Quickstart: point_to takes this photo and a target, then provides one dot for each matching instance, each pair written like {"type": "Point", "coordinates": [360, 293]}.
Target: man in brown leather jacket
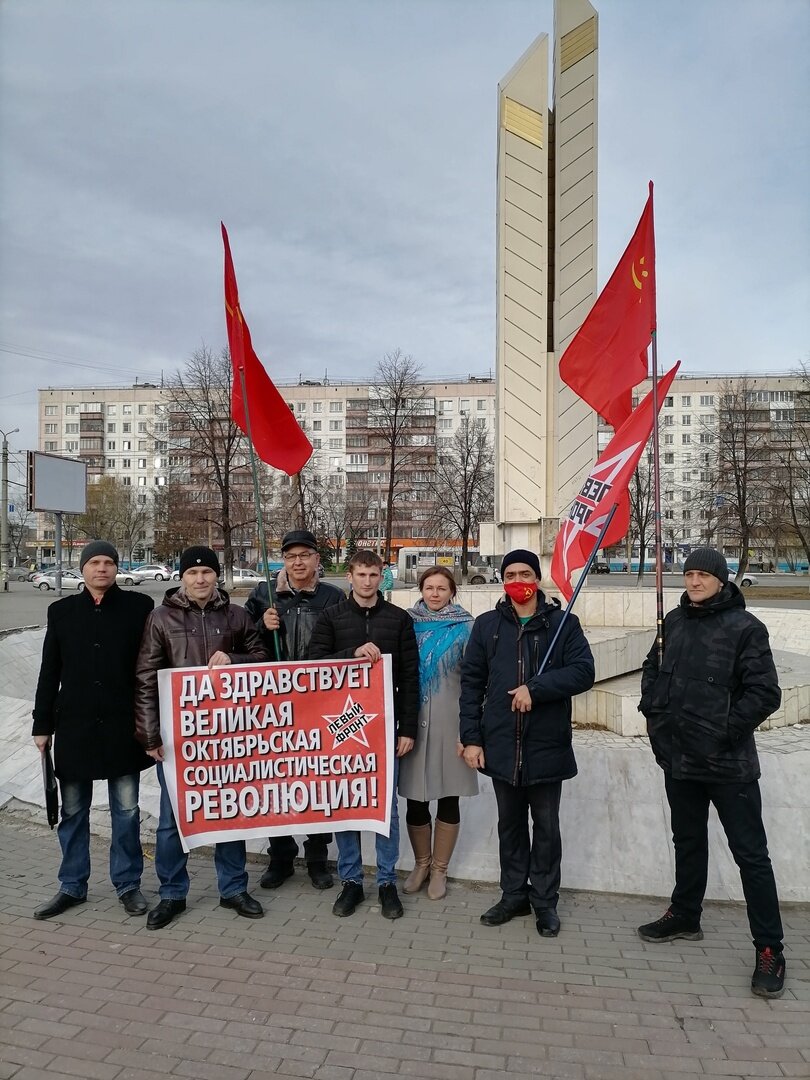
{"type": "Point", "coordinates": [195, 626]}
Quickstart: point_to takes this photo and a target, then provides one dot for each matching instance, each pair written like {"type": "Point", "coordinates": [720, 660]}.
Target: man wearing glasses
{"type": "Point", "coordinates": [300, 598]}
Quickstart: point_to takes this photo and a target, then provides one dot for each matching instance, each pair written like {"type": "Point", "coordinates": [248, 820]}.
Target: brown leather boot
{"type": "Point", "coordinates": [444, 841]}
{"type": "Point", "coordinates": [420, 842]}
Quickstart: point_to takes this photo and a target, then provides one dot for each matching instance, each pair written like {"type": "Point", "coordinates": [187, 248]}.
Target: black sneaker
{"type": "Point", "coordinates": [390, 903]}
{"type": "Point", "coordinates": [768, 979]}
{"type": "Point", "coordinates": [669, 927]}
{"type": "Point", "coordinates": [350, 896]}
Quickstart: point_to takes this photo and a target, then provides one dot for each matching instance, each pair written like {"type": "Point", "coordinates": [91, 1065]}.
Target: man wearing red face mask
{"type": "Point", "coordinates": [516, 728]}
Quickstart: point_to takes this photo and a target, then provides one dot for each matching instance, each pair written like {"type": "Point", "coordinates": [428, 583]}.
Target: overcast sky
{"type": "Point", "coordinates": [349, 146]}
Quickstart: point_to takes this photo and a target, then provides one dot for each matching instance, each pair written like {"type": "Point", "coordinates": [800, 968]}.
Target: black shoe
{"type": "Point", "coordinates": [276, 874]}
{"type": "Point", "coordinates": [669, 927]}
{"type": "Point", "coordinates": [548, 922]}
{"type": "Point", "coordinates": [390, 903]}
{"type": "Point", "coordinates": [503, 912]}
{"type": "Point", "coordinates": [768, 979]}
{"type": "Point", "coordinates": [319, 876]}
{"type": "Point", "coordinates": [243, 904]}
{"type": "Point", "coordinates": [60, 904]}
{"type": "Point", "coordinates": [134, 902]}
{"type": "Point", "coordinates": [163, 914]}
{"type": "Point", "coordinates": [350, 896]}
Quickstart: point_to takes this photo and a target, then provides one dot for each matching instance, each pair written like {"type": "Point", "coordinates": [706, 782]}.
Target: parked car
{"type": "Point", "coordinates": [246, 577]}
{"type": "Point", "coordinates": [154, 572]}
{"type": "Point", "coordinates": [483, 574]}
{"type": "Point", "coordinates": [128, 577]}
{"type": "Point", "coordinates": [747, 580]}
{"type": "Point", "coordinates": [600, 566]}
{"type": "Point", "coordinates": [71, 579]}
{"type": "Point", "coordinates": [18, 573]}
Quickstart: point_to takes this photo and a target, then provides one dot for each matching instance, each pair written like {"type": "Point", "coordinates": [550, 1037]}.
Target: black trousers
{"type": "Point", "coordinates": [529, 868]}
{"type": "Point", "coordinates": [283, 849]}
{"type": "Point", "coordinates": [739, 807]}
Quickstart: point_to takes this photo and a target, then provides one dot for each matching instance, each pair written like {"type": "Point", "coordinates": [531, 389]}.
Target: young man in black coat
{"type": "Point", "coordinates": [716, 685]}
{"type": "Point", "coordinates": [516, 728]}
{"type": "Point", "coordinates": [85, 702]}
{"type": "Point", "coordinates": [367, 626]}
{"type": "Point", "coordinates": [300, 598]}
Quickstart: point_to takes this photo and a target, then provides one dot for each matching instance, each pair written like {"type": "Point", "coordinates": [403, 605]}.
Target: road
{"type": "Point", "coordinates": [23, 605]}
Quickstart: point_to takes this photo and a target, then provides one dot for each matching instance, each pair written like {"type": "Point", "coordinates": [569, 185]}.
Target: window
{"type": "Point", "coordinates": [669, 459]}
{"type": "Point", "coordinates": [141, 462]}
{"type": "Point", "coordinates": [126, 481]}
{"type": "Point", "coordinates": [686, 419]}
{"type": "Point", "coordinates": [481, 405]}
{"type": "Point", "coordinates": [141, 444]}
{"type": "Point", "coordinates": [300, 406]}
{"type": "Point", "coordinates": [686, 515]}
{"type": "Point", "coordinates": [71, 447]}
{"type": "Point", "coordinates": [335, 444]}
{"type": "Point", "coordinates": [707, 399]}
{"type": "Point", "coordinates": [110, 429]}
{"type": "Point", "coordinates": [50, 446]}
{"type": "Point", "coordinates": [336, 406]}
{"type": "Point", "coordinates": [110, 462]}
{"type": "Point", "coordinates": [71, 410]}
{"type": "Point", "coordinates": [50, 410]}
{"type": "Point", "coordinates": [358, 459]}
{"type": "Point", "coordinates": [317, 406]}
{"type": "Point", "coordinates": [126, 428]}
{"type": "Point", "coordinates": [706, 437]}
{"type": "Point", "coordinates": [142, 427]}
{"type": "Point", "coordinates": [668, 401]}
{"type": "Point", "coordinates": [669, 515]}
{"type": "Point", "coordinates": [111, 444]}
{"type": "Point", "coordinates": [686, 476]}
{"type": "Point", "coordinates": [464, 405]}
{"type": "Point", "coordinates": [142, 410]}
{"type": "Point", "coordinates": [444, 425]}
{"type": "Point", "coordinates": [126, 463]}
{"type": "Point", "coordinates": [686, 401]}
{"type": "Point", "coordinates": [71, 429]}
{"type": "Point", "coordinates": [51, 429]}
{"type": "Point", "coordinates": [686, 438]}
{"type": "Point", "coordinates": [445, 406]}
{"type": "Point", "coordinates": [669, 439]}
{"type": "Point", "coordinates": [317, 425]}
{"type": "Point", "coordinates": [126, 410]}
{"type": "Point", "coordinates": [161, 428]}
{"type": "Point", "coordinates": [336, 425]}
{"type": "Point", "coordinates": [669, 420]}
{"type": "Point", "coordinates": [141, 481]}
{"type": "Point", "coordinates": [316, 444]}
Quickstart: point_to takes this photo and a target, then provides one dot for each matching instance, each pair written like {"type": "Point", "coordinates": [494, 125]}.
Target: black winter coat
{"type": "Point", "coordinates": [533, 747]}
{"type": "Point", "coordinates": [342, 629]}
{"type": "Point", "coordinates": [716, 684]}
{"type": "Point", "coordinates": [298, 612]}
{"type": "Point", "coordinates": [85, 694]}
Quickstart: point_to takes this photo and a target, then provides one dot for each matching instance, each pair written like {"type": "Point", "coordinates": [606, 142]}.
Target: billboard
{"type": "Point", "coordinates": [56, 485]}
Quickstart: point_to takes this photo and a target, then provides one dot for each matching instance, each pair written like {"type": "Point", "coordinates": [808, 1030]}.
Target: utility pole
{"type": "Point", "coordinates": [5, 547]}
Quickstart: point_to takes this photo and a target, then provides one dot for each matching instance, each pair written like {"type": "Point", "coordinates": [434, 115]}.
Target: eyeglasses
{"type": "Point", "coordinates": [300, 555]}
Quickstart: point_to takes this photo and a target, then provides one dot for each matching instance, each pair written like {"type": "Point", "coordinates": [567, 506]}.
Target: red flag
{"type": "Point", "coordinates": [607, 484]}
{"type": "Point", "coordinates": [608, 355]}
{"type": "Point", "coordinates": [275, 433]}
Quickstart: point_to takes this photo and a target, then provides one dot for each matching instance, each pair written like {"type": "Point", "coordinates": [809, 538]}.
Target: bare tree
{"type": "Point", "coordinates": [106, 509]}
{"type": "Point", "coordinates": [642, 509]}
{"type": "Point", "coordinates": [20, 521]}
{"type": "Point", "coordinates": [465, 483]}
{"type": "Point", "coordinates": [202, 430]}
{"type": "Point", "coordinates": [396, 399]}
{"type": "Point", "coordinates": [791, 444]}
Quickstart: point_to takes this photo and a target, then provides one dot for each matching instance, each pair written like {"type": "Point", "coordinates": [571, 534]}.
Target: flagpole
{"type": "Point", "coordinates": [257, 502]}
{"type": "Point", "coordinates": [659, 569]}
{"type": "Point", "coordinates": [585, 571]}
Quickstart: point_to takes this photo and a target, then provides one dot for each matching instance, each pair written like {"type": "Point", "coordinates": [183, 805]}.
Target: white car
{"type": "Point", "coordinates": [246, 577]}
{"type": "Point", "coordinates": [71, 579]}
{"type": "Point", "coordinates": [747, 580]}
{"type": "Point", "coordinates": [128, 577]}
{"type": "Point", "coordinates": [154, 572]}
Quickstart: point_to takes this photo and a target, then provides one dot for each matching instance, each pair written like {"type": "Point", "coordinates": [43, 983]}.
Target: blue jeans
{"type": "Point", "coordinates": [73, 830]}
{"type": "Point", "coordinates": [171, 860]}
{"type": "Point", "coordinates": [350, 859]}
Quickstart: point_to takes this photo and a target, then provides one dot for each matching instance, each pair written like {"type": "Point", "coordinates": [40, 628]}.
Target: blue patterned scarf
{"type": "Point", "coordinates": [441, 637]}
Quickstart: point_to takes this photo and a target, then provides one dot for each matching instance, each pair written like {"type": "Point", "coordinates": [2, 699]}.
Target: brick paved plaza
{"type": "Point", "coordinates": [435, 995]}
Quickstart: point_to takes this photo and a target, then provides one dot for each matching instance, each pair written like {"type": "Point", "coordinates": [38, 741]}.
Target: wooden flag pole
{"type": "Point", "coordinates": [271, 591]}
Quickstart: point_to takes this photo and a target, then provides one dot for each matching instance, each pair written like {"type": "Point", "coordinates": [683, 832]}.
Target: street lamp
{"type": "Point", "coordinates": [4, 543]}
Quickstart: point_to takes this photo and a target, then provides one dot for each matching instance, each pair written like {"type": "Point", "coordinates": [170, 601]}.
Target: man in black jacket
{"type": "Point", "coordinates": [85, 701]}
{"type": "Point", "coordinates": [367, 626]}
{"type": "Point", "coordinates": [300, 598]}
{"type": "Point", "coordinates": [516, 728]}
{"type": "Point", "coordinates": [715, 686]}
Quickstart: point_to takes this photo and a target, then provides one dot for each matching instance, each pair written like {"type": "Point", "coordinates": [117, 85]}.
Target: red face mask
{"type": "Point", "coordinates": [520, 591]}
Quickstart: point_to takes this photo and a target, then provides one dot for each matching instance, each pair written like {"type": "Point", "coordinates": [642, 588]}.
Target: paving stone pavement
{"type": "Point", "coordinates": [434, 996]}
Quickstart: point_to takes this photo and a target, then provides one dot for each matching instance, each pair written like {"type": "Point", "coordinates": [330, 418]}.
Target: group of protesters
{"type": "Point", "coordinates": [491, 695]}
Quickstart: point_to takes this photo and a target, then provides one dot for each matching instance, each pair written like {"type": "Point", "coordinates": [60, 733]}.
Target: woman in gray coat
{"type": "Point", "coordinates": [435, 769]}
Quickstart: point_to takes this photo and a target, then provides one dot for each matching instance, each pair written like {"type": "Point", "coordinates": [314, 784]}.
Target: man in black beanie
{"type": "Point", "coordinates": [516, 728]}
{"type": "Point", "coordinates": [716, 685]}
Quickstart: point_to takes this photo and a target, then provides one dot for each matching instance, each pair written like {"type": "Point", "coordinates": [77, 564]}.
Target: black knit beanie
{"type": "Point", "coordinates": [708, 560]}
{"type": "Point", "coordinates": [524, 556]}
{"type": "Point", "coordinates": [199, 556]}
{"type": "Point", "coordinates": [97, 547]}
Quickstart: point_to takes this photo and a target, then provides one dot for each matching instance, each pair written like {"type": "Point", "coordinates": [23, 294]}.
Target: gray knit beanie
{"type": "Point", "coordinates": [97, 547]}
{"type": "Point", "coordinates": [708, 560]}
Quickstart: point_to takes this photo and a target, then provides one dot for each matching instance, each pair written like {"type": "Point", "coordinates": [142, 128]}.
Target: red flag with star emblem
{"type": "Point", "coordinates": [605, 487]}
{"type": "Point", "coordinates": [274, 431]}
{"type": "Point", "coordinates": [608, 355]}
